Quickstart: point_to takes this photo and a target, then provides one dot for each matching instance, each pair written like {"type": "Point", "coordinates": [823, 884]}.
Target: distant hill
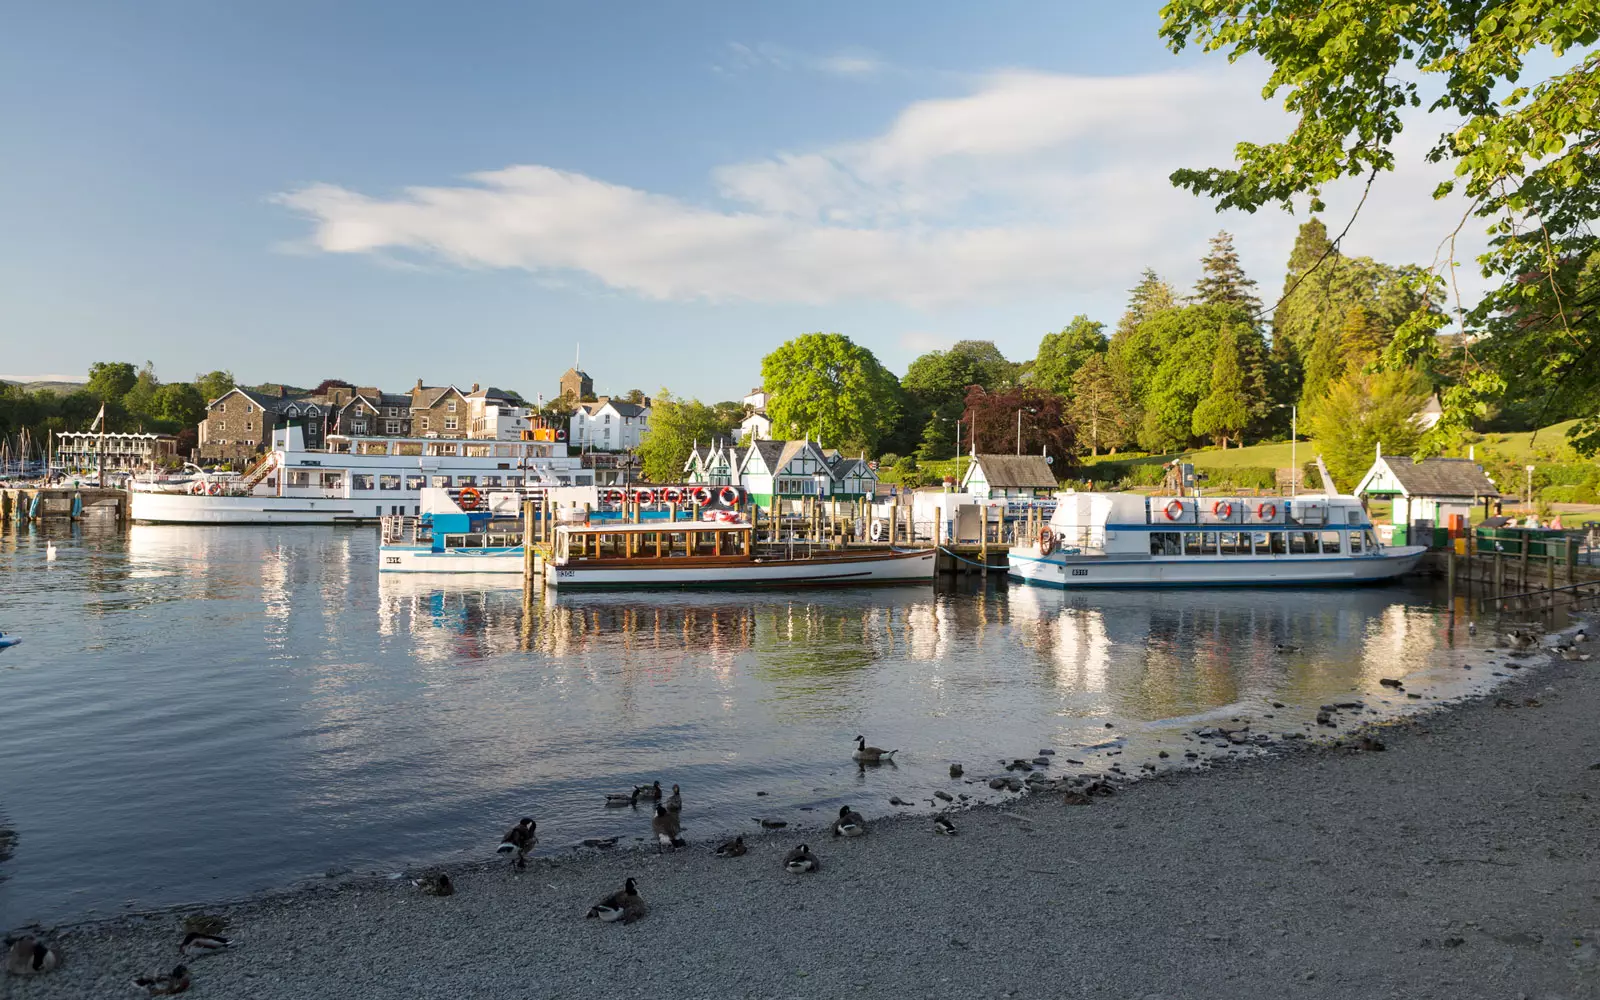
{"type": "Point", "coordinates": [59, 387]}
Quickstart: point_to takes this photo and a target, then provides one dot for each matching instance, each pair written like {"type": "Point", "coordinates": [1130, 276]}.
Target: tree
{"type": "Point", "coordinates": [823, 386]}
{"type": "Point", "coordinates": [1362, 339]}
{"type": "Point", "coordinates": [1518, 147]}
{"type": "Point", "coordinates": [1360, 413]}
{"type": "Point", "coordinates": [935, 386]}
{"type": "Point", "coordinates": [1150, 296]}
{"type": "Point", "coordinates": [635, 396]}
{"type": "Point", "coordinates": [938, 439]}
{"type": "Point", "coordinates": [111, 380]}
{"type": "Point", "coordinates": [1100, 407]}
{"type": "Point", "coordinates": [180, 404]}
{"type": "Point", "coordinates": [1222, 281]}
{"type": "Point", "coordinates": [1224, 413]}
{"type": "Point", "coordinates": [993, 420]}
{"type": "Point", "coordinates": [327, 385]}
{"type": "Point", "coordinates": [140, 399]}
{"type": "Point", "coordinates": [213, 385]}
{"type": "Point", "coordinates": [675, 426]}
{"type": "Point", "coordinates": [1062, 354]}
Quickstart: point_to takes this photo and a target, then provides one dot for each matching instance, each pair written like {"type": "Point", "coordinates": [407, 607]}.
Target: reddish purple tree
{"type": "Point", "coordinates": [992, 421]}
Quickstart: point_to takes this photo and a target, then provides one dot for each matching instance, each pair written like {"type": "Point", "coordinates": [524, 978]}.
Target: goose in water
{"type": "Point", "coordinates": [1284, 647]}
{"type": "Point", "coordinates": [849, 824]}
{"type": "Point", "coordinates": [651, 791]}
{"type": "Point", "coordinates": [28, 956]}
{"type": "Point", "coordinates": [176, 981]}
{"type": "Point", "coordinates": [944, 827]}
{"type": "Point", "coordinates": [623, 906]}
{"type": "Point", "coordinates": [666, 827]}
{"type": "Point", "coordinates": [870, 755]}
{"type": "Point", "coordinates": [675, 800]}
{"type": "Point", "coordinates": [801, 860]}
{"type": "Point", "coordinates": [732, 849]}
{"type": "Point", "coordinates": [201, 944]}
{"type": "Point", "coordinates": [619, 799]}
{"type": "Point", "coordinates": [520, 839]}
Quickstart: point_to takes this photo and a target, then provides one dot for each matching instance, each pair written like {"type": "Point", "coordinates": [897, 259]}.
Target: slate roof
{"type": "Point", "coordinates": [1017, 472]}
{"type": "Point", "coordinates": [1440, 477]}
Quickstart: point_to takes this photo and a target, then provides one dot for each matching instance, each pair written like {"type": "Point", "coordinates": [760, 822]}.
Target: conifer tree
{"type": "Point", "coordinates": [1225, 412]}
{"type": "Point", "coordinates": [1224, 281]}
{"type": "Point", "coordinates": [1148, 297]}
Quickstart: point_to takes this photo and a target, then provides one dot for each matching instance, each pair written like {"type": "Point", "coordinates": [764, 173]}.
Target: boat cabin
{"type": "Point", "coordinates": [1132, 525]}
{"type": "Point", "coordinates": [652, 542]}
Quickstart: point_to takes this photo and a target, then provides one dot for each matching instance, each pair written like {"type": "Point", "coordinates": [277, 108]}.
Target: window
{"type": "Point", "coordinates": [361, 481]}
{"type": "Point", "coordinates": [414, 483]}
{"type": "Point", "coordinates": [222, 425]}
{"type": "Point", "coordinates": [491, 480]}
{"type": "Point", "coordinates": [1301, 542]}
{"type": "Point", "coordinates": [332, 480]}
{"type": "Point", "coordinates": [1330, 543]}
{"type": "Point", "coordinates": [466, 481]}
{"type": "Point", "coordinates": [1233, 543]}
{"type": "Point", "coordinates": [1166, 543]}
{"type": "Point", "coordinates": [388, 481]}
{"type": "Point", "coordinates": [1261, 542]}
{"type": "Point", "coordinates": [449, 423]}
{"type": "Point", "coordinates": [299, 479]}
{"type": "Point", "coordinates": [391, 427]}
{"type": "Point", "coordinates": [424, 423]}
{"type": "Point", "coordinates": [358, 426]}
{"type": "Point", "coordinates": [1279, 545]}
{"type": "Point", "coordinates": [1372, 542]}
{"type": "Point", "coordinates": [1355, 543]}
{"type": "Point", "coordinates": [608, 418]}
{"type": "Point", "coordinates": [450, 407]}
{"type": "Point", "coordinates": [1352, 516]}
{"type": "Point", "coordinates": [222, 406]}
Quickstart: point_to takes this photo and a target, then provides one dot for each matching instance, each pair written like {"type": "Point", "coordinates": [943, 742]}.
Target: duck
{"type": "Point", "coordinates": [667, 829]}
{"type": "Point", "coordinates": [435, 884]}
{"type": "Point", "coordinates": [195, 943]}
{"type": "Point", "coordinates": [1284, 647]}
{"type": "Point", "coordinates": [675, 800]}
{"type": "Point", "coordinates": [944, 827]}
{"type": "Point", "coordinates": [176, 981]}
{"type": "Point", "coordinates": [870, 755]}
{"type": "Point", "coordinates": [619, 799]}
{"type": "Point", "coordinates": [849, 823]}
{"type": "Point", "coordinates": [801, 860]}
{"type": "Point", "coordinates": [650, 791]}
{"type": "Point", "coordinates": [623, 906]}
{"type": "Point", "coordinates": [731, 849]}
{"type": "Point", "coordinates": [29, 956]}
{"type": "Point", "coordinates": [520, 839]}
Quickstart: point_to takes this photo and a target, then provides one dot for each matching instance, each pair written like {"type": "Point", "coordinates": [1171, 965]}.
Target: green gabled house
{"type": "Point", "coordinates": [714, 464]}
{"type": "Point", "coordinates": [795, 470]}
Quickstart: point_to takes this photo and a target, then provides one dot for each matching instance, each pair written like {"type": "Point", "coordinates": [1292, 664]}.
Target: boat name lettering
{"type": "Point", "coordinates": [1080, 572]}
{"type": "Point", "coordinates": [391, 560]}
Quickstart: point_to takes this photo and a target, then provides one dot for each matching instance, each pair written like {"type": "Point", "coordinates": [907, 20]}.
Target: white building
{"type": "Point", "coordinates": [499, 421]}
{"type": "Point", "coordinates": [756, 425]}
{"type": "Point", "coordinates": [608, 425]}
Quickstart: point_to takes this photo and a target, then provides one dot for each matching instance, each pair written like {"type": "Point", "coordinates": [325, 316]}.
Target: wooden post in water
{"type": "Point", "coordinates": [527, 542]}
{"type": "Point", "coordinates": [1522, 571]}
{"type": "Point", "coordinates": [983, 543]}
{"type": "Point", "coordinates": [1450, 577]}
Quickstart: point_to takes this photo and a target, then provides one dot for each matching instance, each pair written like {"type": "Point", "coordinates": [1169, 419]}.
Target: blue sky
{"type": "Point", "coordinates": [386, 191]}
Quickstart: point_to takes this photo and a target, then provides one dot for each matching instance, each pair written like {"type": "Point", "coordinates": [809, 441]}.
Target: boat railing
{"type": "Point", "coordinates": [404, 529]}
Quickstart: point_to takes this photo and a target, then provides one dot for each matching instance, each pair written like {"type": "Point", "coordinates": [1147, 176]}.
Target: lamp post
{"type": "Point", "coordinates": [1529, 502]}
{"type": "Point", "coordinates": [1294, 442]}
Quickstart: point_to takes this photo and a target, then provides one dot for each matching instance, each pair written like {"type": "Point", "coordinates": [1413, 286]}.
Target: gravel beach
{"type": "Point", "coordinates": [1463, 861]}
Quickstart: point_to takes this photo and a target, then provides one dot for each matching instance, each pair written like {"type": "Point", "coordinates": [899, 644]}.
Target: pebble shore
{"type": "Point", "coordinates": [1461, 861]}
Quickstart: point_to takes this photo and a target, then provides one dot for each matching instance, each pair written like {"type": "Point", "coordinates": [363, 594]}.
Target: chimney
{"type": "Point", "coordinates": [419, 386]}
{"type": "Point", "coordinates": [474, 387]}
{"type": "Point", "coordinates": [283, 392]}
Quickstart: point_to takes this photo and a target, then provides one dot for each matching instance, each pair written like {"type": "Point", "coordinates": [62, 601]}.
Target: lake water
{"type": "Point", "coordinates": [198, 713]}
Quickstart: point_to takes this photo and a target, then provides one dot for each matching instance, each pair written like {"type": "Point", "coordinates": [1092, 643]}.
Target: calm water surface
{"type": "Point", "coordinates": [199, 712]}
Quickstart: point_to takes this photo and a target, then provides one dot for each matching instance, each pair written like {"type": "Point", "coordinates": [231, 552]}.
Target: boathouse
{"type": "Point", "coordinates": [1429, 492]}
{"type": "Point", "coordinates": [1009, 477]}
{"type": "Point", "coordinates": [122, 452]}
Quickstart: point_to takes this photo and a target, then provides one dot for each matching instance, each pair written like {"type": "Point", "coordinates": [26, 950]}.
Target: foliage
{"type": "Point", "coordinates": [1062, 354]}
{"type": "Point", "coordinates": [935, 387]}
{"type": "Point", "coordinates": [1150, 296]}
{"type": "Point", "coordinates": [1224, 413]}
{"type": "Point", "coordinates": [1100, 406]}
{"type": "Point", "coordinates": [111, 380]}
{"type": "Point", "coordinates": [329, 384]}
{"type": "Point", "coordinates": [675, 426]}
{"type": "Point", "coordinates": [1521, 152]}
{"type": "Point", "coordinates": [823, 386]}
{"type": "Point", "coordinates": [213, 385]}
{"type": "Point", "coordinates": [1044, 427]}
{"type": "Point", "coordinates": [1167, 361]}
{"type": "Point", "coordinates": [1363, 411]}
{"type": "Point", "coordinates": [1222, 281]}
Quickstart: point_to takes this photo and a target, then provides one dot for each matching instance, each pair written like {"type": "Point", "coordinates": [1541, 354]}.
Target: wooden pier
{"type": "Point", "coordinates": [23, 505]}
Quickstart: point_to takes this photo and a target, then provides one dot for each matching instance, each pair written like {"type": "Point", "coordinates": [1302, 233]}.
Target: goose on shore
{"type": "Point", "coordinates": [619, 799]}
{"type": "Point", "coordinates": [201, 944]}
{"type": "Point", "coordinates": [651, 791]}
{"type": "Point", "coordinates": [435, 884]}
{"type": "Point", "coordinates": [667, 829]}
{"type": "Point", "coordinates": [519, 840]}
{"type": "Point", "coordinates": [675, 800]}
{"type": "Point", "coordinates": [944, 827]}
{"type": "Point", "coordinates": [176, 981]}
{"type": "Point", "coordinates": [623, 906]}
{"type": "Point", "coordinates": [870, 755]}
{"type": "Point", "coordinates": [1284, 647]}
{"type": "Point", "coordinates": [801, 860]}
{"type": "Point", "coordinates": [28, 956]}
{"type": "Point", "coordinates": [849, 824]}
{"type": "Point", "coordinates": [731, 849]}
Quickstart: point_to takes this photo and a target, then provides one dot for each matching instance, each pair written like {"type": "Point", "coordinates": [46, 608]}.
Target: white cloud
{"type": "Point", "coordinates": [1034, 184]}
{"type": "Point", "coordinates": [741, 57]}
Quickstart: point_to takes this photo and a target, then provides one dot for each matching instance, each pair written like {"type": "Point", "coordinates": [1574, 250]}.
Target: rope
{"type": "Point", "coordinates": [969, 562]}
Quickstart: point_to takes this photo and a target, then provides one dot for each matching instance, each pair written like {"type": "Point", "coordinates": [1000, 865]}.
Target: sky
{"type": "Point", "coordinates": [387, 191]}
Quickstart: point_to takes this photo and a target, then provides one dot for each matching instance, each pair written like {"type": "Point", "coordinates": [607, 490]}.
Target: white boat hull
{"type": "Point", "coordinates": [891, 567]}
{"type": "Point", "coordinates": [180, 508]}
{"type": "Point", "coordinates": [1067, 570]}
{"type": "Point", "coordinates": [398, 559]}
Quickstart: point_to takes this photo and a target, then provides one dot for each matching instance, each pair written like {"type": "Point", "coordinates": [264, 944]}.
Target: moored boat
{"type": "Point", "coordinates": [1130, 540]}
{"type": "Point", "coordinates": [468, 531]}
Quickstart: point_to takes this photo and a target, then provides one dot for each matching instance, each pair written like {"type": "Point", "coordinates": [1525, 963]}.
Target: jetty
{"type": "Point", "coordinates": [25, 504]}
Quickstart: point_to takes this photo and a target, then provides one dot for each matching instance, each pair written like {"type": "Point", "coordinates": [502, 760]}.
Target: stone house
{"type": "Point", "coordinates": [238, 424]}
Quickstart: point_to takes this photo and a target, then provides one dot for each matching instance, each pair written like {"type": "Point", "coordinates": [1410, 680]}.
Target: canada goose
{"type": "Point", "coordinates": [1472, 628]}
{"type": "Point", "coordinates": [666, 828]}
{"type": "Point", "coordinates": [619, 799]}
{"type": "Point", "coordinates": [849, 823]}
{"type": "Point", "coordinates": [675, 800]}
{"type": "Point", "coordinates": [623, 906]}
{"type": "Point", "coordinates": [944, 827]}
{"type": "Point", "coordinates": [520, 839]}
{"type": "Point", "coordinates": [801, 860]}
{"type": "Point", "coordinates": [176, 981]}
{"type": "Point", "coordinates": [201, 944]}
{"type": "Point", "coordinates": [771, 824]}
{"type": "Point", "coordinates": [956, 770]}
{"type": "Point", "coordinates": [29, 957]}
{"type": "Point", "coordinates": [732, 849]}
{"type": "Point", "coordinates": [650, 791]}
{"type": "Point", "coordinates": [1284, 647]}
{"type": "Point", "coordinates": [435, 884]}
{"type": "Point", "coordinates": [870, 755]}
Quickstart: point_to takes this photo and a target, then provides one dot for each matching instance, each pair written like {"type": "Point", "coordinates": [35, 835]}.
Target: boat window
{"type": "Point", "coordinates": [1330, 543]}
{"type": "Point", "coordinates": [1372, 543]}
{"type": "Point", "coordinates": [388, 482]}
{"type": "Point", "coordinates": [414, 483]}
{"type": "Point", "coordinates": [1191, 543]}
{"type": "Point", "coordinates": [1355, 542]}
{"type": "Point", "coordinates": [1166, 543]}
{"type": "Point", "coordinates": [1228, 543]}
{"type": "Point", "coordinates": [1261, 543]}
{"type": "Point", "coordinates": [332, 480]}
{"type": "Point", "coordinates": [299, 479]}
{"type": "Point", "coordinates": [677, 544]}
{"type": "Point", "coordinates": [1302, 542]}
{"type": "Point", "coordinates": [439, 482]}
{"type": "Point", "coordinates": [466, 480]}
{"type": "Point", "coordinates": [361, 481]}
{"type": "Point", "coordinates": [1279, 544]}
{"type": "Point", "coordinates": [1352, 516]}
{"type": "Point", "coordinates": [491, 480]}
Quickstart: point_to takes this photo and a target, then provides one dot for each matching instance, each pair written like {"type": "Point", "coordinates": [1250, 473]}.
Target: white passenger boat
{"type": "Point", "coordinates": [1130, 540]}
{"type": "Point", "coordinates": [709, 554]}
{"type": "Point", "coordinates": [361, 480]}
{"type": "Point", "coordinates": [470, 531]}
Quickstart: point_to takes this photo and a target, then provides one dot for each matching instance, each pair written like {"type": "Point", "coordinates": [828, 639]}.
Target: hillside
{"type": "Point", "coordinates": [57, 387]}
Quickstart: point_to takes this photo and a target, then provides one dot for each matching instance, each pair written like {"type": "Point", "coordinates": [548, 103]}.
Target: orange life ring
{"type": "Point", "coordinates": [1267, 511]}
{"type": "Point", "coordinates": [614, 496]}
{"type": "Point", "coordinates": [1222, 509]}
{"type": "Point", "coordinates": [644, 496]}
{"type": "Point", "coordinates": [215, 489]}
{"type": "Point", "coordinates": [728, 495]}
{"type": "Point", "coordinates": [672, 495]}
{"type": "Point", "coordinates": [1174, 510]}
{"type": "Point", "coordinates": [198, 489]}
{"type": "Point", "coordinates": [1047, 541]}
{"type": "Point", "coordinates": [702, 496]}
{"type": "Point", "coordinates": [469, 498]}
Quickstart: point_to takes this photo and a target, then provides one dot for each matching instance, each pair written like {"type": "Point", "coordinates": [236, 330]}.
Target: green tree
{"type": "Point", "coordinates": [936, 383]}
{"type": "Point", "coordinates": [1222, 281]}
{"type": "Point", "coordinates": [1363, 411]}
{"type": "Point", "coordinates": [1224, 413]}
{"type": "Point", "coordinates": [179, 404]}
{"type": "Point", "coordinates": [1362, 339]}
{"type": "Point", "coordinates": [1150, 296]}
{"type": "Point", "coordinates": [111, 380]}
{"type": "Point", "coordinates": [140, 399]}
{"type": "Point", "coordinates": [1062, 354]}
{"type": "Point", "coordinates": [675, 426]}
{"type": "Point", "coordinates": [823, 386]}
{"type": "Point", "coordinates": [938, 439]}
{"type": "Point", "coordinates": [1100, 407]}
{"type": "Point", "coordinates": [213, 385]}
{"type": "Point", "coordinates": [1519, 147]}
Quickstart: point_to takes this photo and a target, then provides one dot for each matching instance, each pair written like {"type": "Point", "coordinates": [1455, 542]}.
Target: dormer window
{"type": "Point", "coordinates": [450, 407]}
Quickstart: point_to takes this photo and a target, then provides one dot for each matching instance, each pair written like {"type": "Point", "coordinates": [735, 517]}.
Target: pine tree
{"type": "Point", "coordinates": [1148, 297]}
{"type": "Point", "coordinates": [1224, 413]}
{"type": "Point", "coordinates": [1100, 406]}
{"type": "Point", "coordinates": [1224, 281]}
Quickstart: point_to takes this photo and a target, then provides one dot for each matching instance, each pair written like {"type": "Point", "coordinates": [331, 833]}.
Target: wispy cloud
{"type": "Point", "coordinates": [1031, 184]}
{"type": "Point", "coordinates": [741, 57]}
